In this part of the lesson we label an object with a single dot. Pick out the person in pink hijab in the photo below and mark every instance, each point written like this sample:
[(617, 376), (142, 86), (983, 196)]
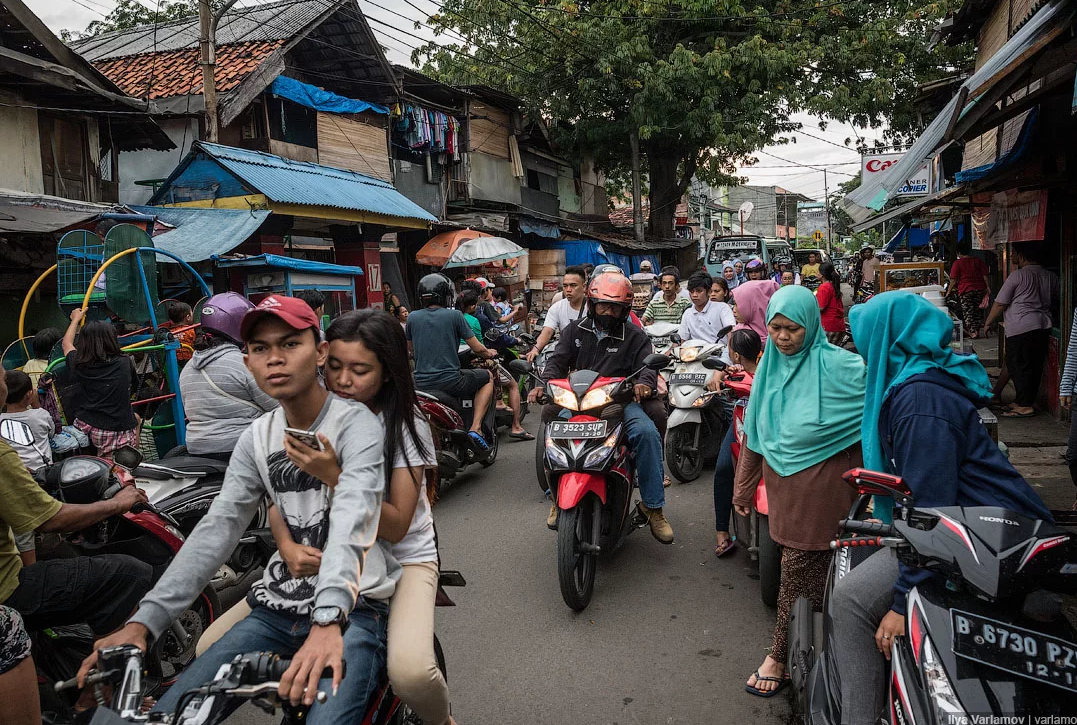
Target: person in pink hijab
[(751, 300)]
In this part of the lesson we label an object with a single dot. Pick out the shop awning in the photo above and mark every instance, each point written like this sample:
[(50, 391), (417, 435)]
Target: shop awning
[(906, 209), (976, 97), (201, 234), (290, 263), (42, 214)]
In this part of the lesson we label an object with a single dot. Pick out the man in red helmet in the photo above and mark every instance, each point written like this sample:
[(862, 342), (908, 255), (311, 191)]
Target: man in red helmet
[(605, 342)]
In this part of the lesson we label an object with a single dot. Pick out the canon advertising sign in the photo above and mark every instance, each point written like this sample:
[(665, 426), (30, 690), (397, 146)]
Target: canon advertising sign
[(917, 184)]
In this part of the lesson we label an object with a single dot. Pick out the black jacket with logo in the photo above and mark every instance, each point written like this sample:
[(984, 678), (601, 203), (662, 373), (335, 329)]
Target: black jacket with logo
[(618, 354)]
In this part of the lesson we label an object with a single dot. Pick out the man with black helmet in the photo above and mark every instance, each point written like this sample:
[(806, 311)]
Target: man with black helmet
[(605, 342), (433, 332)]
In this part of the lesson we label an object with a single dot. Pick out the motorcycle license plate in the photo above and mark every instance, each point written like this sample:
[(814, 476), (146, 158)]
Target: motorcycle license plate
[(567, 430), (688, 379), (1016, 650)]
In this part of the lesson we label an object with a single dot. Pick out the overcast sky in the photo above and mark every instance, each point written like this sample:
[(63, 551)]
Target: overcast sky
[(780, 165)]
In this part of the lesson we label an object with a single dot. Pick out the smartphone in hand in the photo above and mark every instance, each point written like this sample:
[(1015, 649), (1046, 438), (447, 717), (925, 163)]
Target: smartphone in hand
[(306, 437)]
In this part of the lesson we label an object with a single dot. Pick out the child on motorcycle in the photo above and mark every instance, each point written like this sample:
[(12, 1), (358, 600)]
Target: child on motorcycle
[(920, 423), (339, 615), (367, 364)]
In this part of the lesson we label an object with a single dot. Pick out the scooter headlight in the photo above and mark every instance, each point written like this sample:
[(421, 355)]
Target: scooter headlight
[(598, 397), (557, 457), (600, 455), (948, 708), (688, 354), (564, 398)]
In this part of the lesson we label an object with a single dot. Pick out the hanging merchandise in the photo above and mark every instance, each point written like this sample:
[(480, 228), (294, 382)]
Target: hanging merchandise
[(427, 131)]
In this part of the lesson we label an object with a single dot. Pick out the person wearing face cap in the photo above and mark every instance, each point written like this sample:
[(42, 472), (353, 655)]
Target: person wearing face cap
[(920, 423), (802, 433)]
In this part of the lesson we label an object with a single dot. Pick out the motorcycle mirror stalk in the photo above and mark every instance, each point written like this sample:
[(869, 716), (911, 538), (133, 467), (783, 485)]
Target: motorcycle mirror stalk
[(714, 363)]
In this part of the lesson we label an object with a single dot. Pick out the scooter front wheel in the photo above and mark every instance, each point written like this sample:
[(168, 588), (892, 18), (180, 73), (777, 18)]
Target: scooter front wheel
[(576, 566), (684, 463)]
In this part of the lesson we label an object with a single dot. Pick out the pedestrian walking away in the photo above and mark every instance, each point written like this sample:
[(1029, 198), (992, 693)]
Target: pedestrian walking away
[(802, 432), (968, 278)]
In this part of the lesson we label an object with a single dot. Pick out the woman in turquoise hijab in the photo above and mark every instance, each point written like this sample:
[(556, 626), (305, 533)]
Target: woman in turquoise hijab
[(920, 423), (802, 432)]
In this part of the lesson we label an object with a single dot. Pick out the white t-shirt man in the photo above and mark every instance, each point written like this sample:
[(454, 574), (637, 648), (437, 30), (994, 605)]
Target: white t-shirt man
[(705, 324), (561, 314), (418, 545)]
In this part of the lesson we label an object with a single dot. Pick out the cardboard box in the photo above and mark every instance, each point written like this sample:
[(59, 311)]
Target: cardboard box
[(546, 256), (546, 270)]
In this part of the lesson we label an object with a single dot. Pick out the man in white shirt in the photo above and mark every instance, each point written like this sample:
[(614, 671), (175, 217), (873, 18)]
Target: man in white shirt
[(704, 319), (569, 309)]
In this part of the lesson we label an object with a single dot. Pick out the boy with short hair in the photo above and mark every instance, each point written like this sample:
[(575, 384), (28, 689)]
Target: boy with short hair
[(180, 315), (30, 442), (318, 621)]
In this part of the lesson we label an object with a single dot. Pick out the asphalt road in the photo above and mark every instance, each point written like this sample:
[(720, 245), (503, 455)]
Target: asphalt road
[(670, 636)]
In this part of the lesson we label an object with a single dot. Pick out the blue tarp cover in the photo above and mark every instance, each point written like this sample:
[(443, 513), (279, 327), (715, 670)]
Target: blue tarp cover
[(290, 263), (201, 234), (539, 227), (313, 97), (916, 238), (588, 251)]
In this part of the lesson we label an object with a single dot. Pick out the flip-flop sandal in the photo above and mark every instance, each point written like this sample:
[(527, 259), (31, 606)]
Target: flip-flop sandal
[(479, 440), (751, 689), (522, 436), (1015, 414), (724, 548), (667, 482)]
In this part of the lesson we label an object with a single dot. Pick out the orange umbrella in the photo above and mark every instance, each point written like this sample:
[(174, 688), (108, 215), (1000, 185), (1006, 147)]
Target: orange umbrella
[(437, 251)]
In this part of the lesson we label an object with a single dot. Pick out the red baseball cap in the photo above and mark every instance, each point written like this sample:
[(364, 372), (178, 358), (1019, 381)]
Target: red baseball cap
[(293, 311)]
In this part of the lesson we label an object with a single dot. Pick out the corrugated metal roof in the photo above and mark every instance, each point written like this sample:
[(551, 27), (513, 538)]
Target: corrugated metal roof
[(300, 182), (272, 21), (202, 233)]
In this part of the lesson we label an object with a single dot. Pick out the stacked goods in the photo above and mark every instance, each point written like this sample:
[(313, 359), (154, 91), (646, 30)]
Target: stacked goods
[(546, 263)]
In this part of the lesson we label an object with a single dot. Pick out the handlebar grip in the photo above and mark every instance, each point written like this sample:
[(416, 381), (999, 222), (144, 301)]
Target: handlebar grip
[(278, 667), (870, 528), (139, 508)]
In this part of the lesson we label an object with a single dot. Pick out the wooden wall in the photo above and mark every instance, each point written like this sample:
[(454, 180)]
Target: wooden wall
[(358, 143), (489, 132)]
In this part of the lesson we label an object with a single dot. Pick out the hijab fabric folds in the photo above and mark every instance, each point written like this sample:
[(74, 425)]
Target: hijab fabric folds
[(735, 282), (899, 335), (808, 406), (752, 299)]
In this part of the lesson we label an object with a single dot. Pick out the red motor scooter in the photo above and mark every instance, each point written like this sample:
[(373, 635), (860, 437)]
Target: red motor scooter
[(752, 531), (591, 471)]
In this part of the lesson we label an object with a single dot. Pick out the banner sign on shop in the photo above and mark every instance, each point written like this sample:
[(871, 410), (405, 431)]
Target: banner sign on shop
[(811, 218), (1008, 216), (874, 165)]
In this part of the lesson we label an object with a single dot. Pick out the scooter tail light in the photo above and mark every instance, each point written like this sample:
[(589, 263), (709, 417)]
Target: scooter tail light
[(1041, 545), (940, 691), (916, 624)]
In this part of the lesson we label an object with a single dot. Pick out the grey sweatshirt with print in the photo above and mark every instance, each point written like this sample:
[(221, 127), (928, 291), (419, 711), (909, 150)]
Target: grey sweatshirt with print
[(343, 523)]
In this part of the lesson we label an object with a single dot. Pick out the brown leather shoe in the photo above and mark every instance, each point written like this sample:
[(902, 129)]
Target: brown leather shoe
[(660, 527), (551, 520)]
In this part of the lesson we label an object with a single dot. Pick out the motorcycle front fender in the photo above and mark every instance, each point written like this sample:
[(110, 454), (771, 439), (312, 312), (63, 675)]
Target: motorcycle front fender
[(573, 486), (680, 416)]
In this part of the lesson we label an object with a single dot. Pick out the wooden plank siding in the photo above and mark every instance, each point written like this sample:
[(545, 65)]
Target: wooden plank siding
[(357, 143), (489, 132)]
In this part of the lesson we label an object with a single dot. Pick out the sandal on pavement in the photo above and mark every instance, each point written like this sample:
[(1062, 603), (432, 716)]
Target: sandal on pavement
[(479, 440), (667, 482), (752, 689), (1015, 414), (724, 548), (522, 436)]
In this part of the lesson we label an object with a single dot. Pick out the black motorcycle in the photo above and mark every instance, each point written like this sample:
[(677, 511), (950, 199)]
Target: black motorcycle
[(985, 638)]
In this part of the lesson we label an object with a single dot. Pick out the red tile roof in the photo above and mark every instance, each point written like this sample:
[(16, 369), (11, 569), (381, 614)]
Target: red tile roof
[(177, 73)]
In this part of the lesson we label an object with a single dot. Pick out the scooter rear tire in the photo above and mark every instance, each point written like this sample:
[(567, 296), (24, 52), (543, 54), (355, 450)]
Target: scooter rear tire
[(540, 459), (575, 569)]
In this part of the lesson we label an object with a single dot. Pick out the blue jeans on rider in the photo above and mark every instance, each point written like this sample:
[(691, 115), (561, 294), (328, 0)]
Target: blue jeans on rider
[(724, 471), (646, 444), (283, 633)]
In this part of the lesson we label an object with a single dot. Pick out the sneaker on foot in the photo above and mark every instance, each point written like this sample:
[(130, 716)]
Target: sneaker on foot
[(551, 520), (660, 527)]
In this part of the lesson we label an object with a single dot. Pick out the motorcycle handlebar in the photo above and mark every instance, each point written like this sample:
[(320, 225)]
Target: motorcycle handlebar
[(870, 528), (269, 667)]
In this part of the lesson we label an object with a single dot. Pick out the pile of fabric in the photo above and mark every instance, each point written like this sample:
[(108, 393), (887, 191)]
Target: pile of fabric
[(428, 131)]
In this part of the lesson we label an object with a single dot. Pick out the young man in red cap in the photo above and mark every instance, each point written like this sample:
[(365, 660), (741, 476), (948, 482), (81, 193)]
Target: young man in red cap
[(318, 621)]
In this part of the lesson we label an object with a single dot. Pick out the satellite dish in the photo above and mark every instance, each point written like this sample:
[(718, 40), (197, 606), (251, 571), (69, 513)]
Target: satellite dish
[(746, 210)]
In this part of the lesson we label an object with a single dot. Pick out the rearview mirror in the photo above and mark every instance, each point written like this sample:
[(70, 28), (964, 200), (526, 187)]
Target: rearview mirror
[(520, 367), (714, 363), (15, 431), (656, 362), (724, 331), (127, 457), (675, 338)]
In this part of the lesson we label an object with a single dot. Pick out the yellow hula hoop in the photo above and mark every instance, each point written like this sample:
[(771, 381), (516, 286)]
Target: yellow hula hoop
[(26, 303), (101, 271)]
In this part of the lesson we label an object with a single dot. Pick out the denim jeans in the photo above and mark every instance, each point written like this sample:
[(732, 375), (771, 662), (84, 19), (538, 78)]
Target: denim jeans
[(724, 471), (283, 633), (646, 445)]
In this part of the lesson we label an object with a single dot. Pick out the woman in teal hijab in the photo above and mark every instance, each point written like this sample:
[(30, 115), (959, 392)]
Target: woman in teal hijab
[(920, 423), (802, 432)]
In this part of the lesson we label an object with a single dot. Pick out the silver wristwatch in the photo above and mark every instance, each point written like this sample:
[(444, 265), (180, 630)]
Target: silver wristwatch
[(326, 616)]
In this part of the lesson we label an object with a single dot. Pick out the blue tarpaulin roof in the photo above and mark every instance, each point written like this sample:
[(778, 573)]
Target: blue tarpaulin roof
[(320, 100), (916, 238), (202, 233), (289, 263), (301, 182)]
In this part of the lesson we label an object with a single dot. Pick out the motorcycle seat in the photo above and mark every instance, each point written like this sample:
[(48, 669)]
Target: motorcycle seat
[(445, 399), (183, 464)]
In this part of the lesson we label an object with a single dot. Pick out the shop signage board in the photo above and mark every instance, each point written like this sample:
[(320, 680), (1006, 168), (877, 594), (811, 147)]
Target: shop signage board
[(1008, 216), (873, 165)]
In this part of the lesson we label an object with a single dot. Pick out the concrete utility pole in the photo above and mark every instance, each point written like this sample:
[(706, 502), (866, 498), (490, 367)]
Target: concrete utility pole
[(637, 186), (207, 33), (826, 197)]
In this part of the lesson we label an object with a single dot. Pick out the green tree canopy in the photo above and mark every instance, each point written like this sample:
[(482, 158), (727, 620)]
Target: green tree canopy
[(705, 82), (131, 14)]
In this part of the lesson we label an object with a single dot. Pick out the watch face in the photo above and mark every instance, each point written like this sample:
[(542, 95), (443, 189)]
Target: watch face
[(326, 615)]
